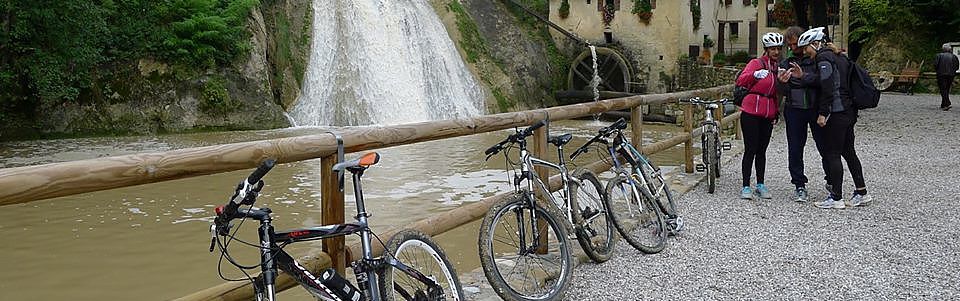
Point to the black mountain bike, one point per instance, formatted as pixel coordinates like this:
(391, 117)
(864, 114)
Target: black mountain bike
(641, 204)
(710, 144)
(524, 249)
(413, 267)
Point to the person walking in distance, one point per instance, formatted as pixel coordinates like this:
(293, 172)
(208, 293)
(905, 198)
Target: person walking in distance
(759, 112)
(946, 64)
(799, 110)
(836, 115)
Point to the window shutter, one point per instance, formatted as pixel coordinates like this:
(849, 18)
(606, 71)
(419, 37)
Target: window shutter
(653, 3)
(747, 2)
(727, 2)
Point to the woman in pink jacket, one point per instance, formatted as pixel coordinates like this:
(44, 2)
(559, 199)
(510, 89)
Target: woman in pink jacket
(759, 111)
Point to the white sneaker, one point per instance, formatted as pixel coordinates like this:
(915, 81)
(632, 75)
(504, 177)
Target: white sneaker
(859, 200)
(830, 203)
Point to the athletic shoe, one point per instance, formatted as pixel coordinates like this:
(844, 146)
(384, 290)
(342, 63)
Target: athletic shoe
(801, 194)
(746, 193)
(830, 203)
(763, 192)
(947, 108)
(859, 200)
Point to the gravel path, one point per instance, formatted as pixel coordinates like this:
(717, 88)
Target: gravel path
(906, 244)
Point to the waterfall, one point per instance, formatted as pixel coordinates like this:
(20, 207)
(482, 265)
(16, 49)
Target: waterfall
(383, 62)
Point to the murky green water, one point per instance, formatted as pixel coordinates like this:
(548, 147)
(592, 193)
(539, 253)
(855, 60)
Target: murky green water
(150, 242)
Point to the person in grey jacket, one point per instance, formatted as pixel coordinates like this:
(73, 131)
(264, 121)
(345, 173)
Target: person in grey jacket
(836, 117)
(799, 110)
(946, 64)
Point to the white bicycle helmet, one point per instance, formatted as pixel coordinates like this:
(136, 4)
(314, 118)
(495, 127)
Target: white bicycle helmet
(772, 39)
(807, 37)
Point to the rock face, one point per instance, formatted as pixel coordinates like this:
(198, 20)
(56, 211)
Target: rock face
(146, 96)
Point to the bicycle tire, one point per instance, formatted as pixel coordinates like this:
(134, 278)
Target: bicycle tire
(709, 157)
(498, 245)
(595, 232)
(719, 152)
(417, 250)
(642, 226)
(659, 189)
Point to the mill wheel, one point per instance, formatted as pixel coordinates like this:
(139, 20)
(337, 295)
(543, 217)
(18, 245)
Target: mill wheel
(883, 80)
(613, 70)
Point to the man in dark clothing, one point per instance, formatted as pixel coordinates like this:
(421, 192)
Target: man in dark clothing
(799, 111)
(836, 115)
(946, 64)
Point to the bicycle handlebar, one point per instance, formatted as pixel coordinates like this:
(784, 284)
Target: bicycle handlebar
(699, 101)
(620, 124)
(513, 138)
(245, 194)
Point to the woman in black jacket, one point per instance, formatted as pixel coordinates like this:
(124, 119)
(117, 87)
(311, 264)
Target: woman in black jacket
(837, 117)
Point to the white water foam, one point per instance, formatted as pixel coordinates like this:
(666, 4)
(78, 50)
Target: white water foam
(383, 62)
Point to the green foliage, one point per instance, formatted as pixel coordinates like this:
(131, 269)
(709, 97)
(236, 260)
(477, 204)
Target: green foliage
(720, 58)
(214, 97)
(642, 9)
(504, 104)
(922, 25)
(564, 9)
(471, 40)
(707, 42)
(695, 13)
(738, 57)
(53, 52)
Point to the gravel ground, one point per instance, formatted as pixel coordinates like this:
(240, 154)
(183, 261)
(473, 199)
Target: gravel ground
(904, 245)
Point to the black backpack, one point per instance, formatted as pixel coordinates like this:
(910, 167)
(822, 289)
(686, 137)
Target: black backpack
(865, 95)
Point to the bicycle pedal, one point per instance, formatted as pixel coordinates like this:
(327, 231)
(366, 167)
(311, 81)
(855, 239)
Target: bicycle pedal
(727, 146)
(700, 167)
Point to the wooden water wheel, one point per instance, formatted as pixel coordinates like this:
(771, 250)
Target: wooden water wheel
(614, 72)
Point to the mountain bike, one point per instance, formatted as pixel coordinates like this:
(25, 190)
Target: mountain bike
(710, 144)
(524, 248)
(640, 202)
(413, 266)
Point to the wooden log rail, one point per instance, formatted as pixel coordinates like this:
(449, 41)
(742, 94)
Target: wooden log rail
(31, 183)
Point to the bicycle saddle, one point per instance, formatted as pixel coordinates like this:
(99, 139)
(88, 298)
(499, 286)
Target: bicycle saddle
(362, 162)
(560, 140)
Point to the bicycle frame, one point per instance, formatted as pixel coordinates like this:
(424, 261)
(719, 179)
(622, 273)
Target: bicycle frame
(366, 269)
(635, 158)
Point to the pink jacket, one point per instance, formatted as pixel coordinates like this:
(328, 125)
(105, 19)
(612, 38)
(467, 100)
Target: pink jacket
(762, 100)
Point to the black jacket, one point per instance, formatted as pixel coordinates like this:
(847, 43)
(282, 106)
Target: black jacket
(800, 93)
(946, 64)
(832, 75)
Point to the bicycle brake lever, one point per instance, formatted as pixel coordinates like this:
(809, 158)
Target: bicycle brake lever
(213, 236)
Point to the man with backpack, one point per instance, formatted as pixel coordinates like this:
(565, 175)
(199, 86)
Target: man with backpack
(946, 64)
(837, 115)
(800, 112)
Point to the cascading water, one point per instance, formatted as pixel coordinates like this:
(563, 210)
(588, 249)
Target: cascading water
(595, 81)
(383, 62)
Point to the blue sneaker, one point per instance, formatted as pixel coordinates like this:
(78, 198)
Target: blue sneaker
(763, 192)
(746, 193)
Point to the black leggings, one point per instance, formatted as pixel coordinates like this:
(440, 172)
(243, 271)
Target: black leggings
(839, 141)
(756, 137)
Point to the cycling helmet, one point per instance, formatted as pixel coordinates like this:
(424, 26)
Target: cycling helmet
(772, 39)
(814, 34)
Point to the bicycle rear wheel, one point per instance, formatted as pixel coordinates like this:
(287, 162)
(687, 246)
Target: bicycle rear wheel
(518, 266)
(636, 217)
(594, 232)
(419, 252)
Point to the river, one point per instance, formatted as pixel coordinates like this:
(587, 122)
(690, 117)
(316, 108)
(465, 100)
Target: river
(150, 242)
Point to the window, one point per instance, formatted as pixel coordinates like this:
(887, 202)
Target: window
(653, 3)
(734, 29)
(727, 2)
(747, 2)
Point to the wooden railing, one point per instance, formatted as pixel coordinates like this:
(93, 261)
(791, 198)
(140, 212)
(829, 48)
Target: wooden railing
(31, 183)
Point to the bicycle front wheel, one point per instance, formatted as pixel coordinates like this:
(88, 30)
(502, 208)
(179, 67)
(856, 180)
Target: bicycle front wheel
(636, 217)
(523, 258)
(419, 252)
(709, 157)
(594, 232)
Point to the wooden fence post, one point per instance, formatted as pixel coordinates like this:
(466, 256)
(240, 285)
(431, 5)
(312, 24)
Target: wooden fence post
(331, 206)
(540, 137)
(736, 129)
(688, 145)
(636, 127)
